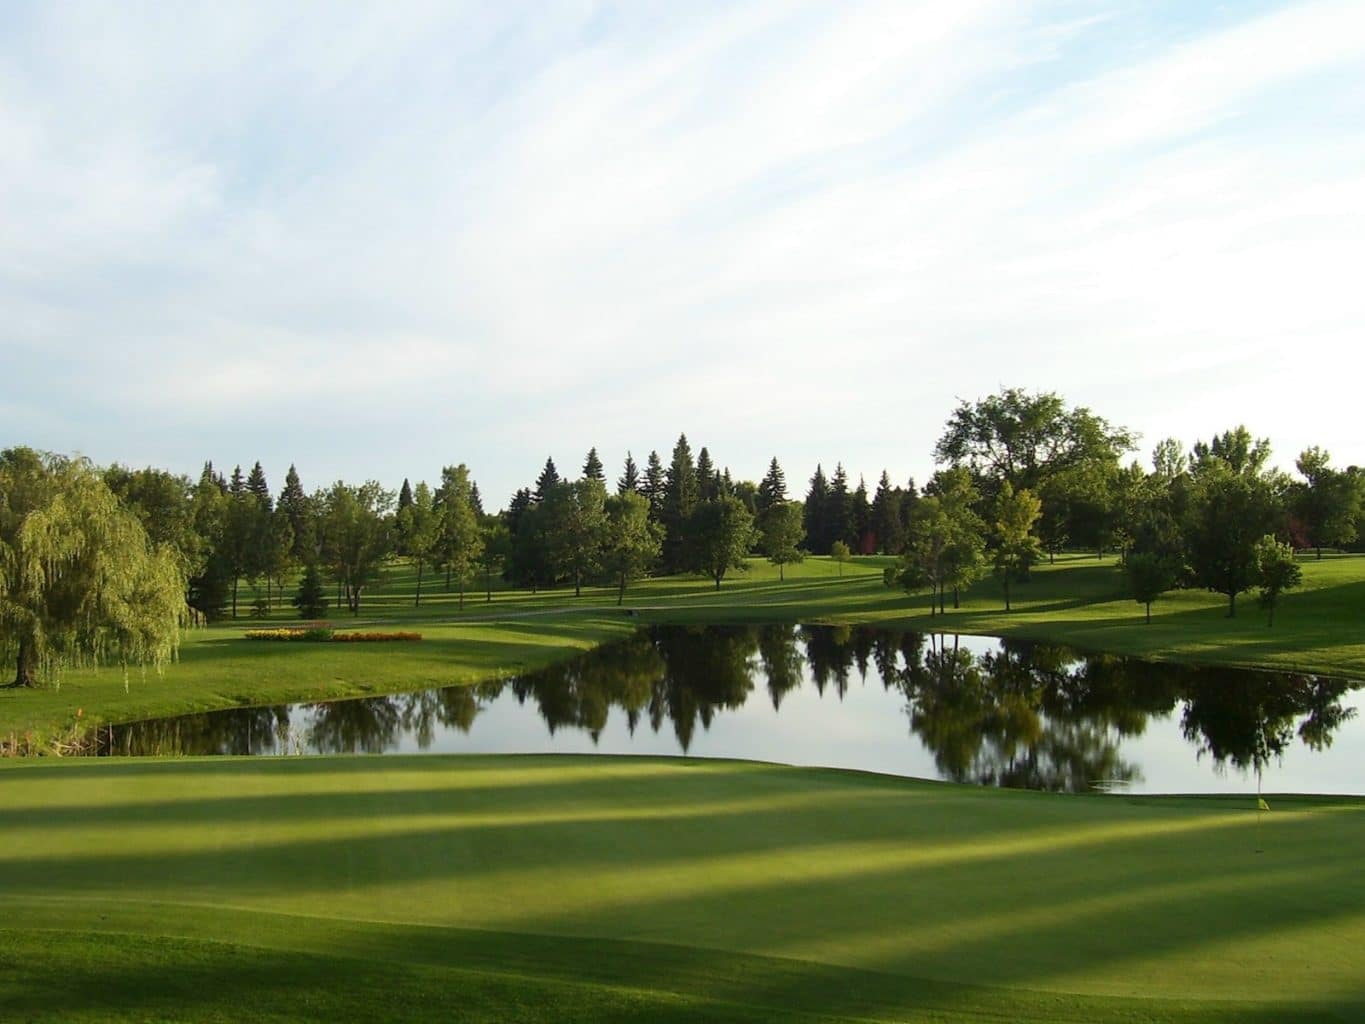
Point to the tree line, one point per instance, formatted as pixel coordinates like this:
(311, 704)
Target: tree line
(97, 558)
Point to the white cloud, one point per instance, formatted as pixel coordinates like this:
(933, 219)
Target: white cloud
(801, 230)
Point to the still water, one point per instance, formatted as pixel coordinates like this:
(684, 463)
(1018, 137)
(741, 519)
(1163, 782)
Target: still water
(965, 709)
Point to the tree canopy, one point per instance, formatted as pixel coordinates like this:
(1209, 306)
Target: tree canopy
(79, 579)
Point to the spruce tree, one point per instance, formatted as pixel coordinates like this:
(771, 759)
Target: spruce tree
(681, 495)
(549, 476)
(837, 518)
(653, 486)
(405, 495)
(629, 481)
(772, 489)
(817, 513)
(311, 599)
(884, 517)
(592, 467)
(707, 483)
(475, 499)
(859, 518)
(294, 504)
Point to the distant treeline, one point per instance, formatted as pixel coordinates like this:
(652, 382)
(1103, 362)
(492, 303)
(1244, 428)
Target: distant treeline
(1023, 477)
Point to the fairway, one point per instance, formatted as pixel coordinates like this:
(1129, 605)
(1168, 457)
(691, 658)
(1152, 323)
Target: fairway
(634, 888)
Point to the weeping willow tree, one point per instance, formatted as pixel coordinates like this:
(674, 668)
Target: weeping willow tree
(79, 581)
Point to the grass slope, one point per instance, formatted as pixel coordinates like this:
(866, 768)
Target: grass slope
(541, 888)
(1082, 601)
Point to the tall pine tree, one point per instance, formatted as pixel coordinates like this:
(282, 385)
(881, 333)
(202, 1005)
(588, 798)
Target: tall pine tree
(653, 486)
(681, 495)
(816, 517)
(592, 467)
(629, 481)
(772, 488)
(549, 476)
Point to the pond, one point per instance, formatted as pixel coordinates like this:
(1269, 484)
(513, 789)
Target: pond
(964, 709)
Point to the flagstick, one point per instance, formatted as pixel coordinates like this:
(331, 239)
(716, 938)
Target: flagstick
(1259, 804)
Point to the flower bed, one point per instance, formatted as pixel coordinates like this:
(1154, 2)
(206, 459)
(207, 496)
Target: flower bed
(367, 638)
(323, 633)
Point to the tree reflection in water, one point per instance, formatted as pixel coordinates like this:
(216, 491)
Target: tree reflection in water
(1031, 715)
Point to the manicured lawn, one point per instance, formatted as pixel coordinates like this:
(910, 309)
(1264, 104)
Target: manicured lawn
(1080, 600)
(540, 888)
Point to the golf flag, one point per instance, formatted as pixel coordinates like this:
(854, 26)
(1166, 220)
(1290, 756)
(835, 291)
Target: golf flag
(1261, 805)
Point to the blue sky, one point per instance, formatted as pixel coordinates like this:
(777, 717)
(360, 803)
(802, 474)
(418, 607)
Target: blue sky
(375, 239)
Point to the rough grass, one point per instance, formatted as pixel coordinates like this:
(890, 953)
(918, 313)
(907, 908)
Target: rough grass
(560, 888)
(1080, 600)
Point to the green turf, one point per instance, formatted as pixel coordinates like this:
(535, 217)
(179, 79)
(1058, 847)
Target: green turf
(1080, 600)
(568, 888)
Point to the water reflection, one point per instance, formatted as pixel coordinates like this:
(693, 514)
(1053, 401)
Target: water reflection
(1001, 713)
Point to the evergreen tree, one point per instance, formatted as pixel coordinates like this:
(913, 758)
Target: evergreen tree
(404, 496)
(707, 481)
(260, 490)
(860, 520)
(681, 495)
(653, 487)
(592, 467)
(311, 599)
(629, 481)
(239, 533)
(817, 513)
(884, 517)
(772, 489)
(549, 476)
(295, 505)
(837, 518)
(476, 499)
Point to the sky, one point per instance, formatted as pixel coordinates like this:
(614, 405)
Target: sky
(375, 239)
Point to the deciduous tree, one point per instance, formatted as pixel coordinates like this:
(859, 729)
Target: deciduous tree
(79, 579)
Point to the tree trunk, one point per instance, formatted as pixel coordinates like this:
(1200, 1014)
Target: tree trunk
(1149, 613)
(1232, 605)
(418, 603)
(717, 582)
(1319, 552)
(621, 594)
(25, 670)
(781, 573)
(578, 583)
(234, 597)
(461, 593)
(957, 599)
(1007, 590)
(488, 584)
